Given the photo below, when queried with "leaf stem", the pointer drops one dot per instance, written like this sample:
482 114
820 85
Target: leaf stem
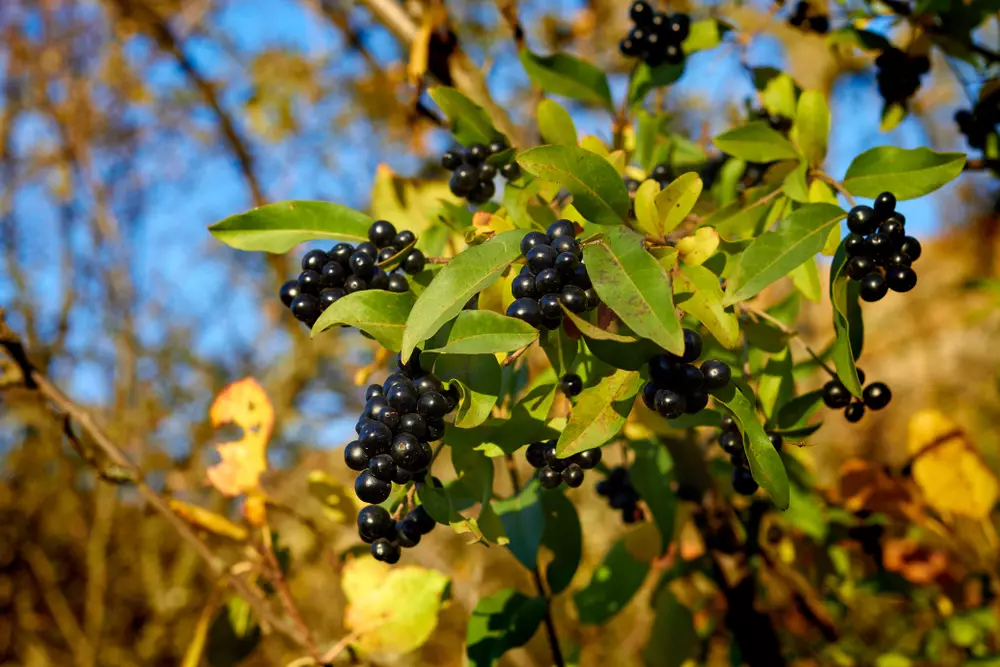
516 354
837 185
758 312
821 363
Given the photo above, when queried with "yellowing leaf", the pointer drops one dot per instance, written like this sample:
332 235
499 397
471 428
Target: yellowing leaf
947 467
245 404
206 520
376 594
695 250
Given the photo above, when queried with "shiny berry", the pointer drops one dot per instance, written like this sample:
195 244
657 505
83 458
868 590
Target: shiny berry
373 391
289 291
402 398
333 274
463 180
476 153
573 475
526 310
414 262
432 405
403 239
548 281
873 287
862 220
535 454
385 551
593 301
549 478
310 282
854 412
776 440
379 280
355 284
859 267
549 306
881 246
314 260
696 402
731 442
451 160
305 308
856 245
381 233
419 516
407 534
382 467
410 453
523 286
341 253
692 346
541 257
641 12
911 247
571 384
511 171
496 146
397 283
876 396
566 264
355 456
743 482
670 404
413 424
885 204
574 298
533 240
375 437
835 395
901 278
370 489
362 265
567 243
374 522
716 374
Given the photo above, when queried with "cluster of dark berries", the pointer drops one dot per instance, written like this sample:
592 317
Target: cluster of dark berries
571 384
677 386
472 175
386 535
880 251
731 442
873 397
661 173
553 471
402 416
553 276
979 123
656 37
899 74
803 18
621 495
327 276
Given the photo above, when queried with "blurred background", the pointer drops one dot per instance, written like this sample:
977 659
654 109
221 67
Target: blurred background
127 127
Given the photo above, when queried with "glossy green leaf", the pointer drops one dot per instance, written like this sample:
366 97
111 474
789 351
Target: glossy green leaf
907 173
469 122
481 332
600 413
677 200
765 463
773 255
502 621
599 193
613 584
646 78
376 312
555 124
563 536
524 522
697 291
281 226
635 286
560 349
651 474
647 217
812 125
756 142
847 323
466 274
569 76
594 332
673 638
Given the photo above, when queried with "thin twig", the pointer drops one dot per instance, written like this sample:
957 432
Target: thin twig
438 260
284 592
835 184
764 315
821 363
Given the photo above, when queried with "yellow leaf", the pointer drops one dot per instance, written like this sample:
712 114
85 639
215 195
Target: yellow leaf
947 467
374 593
418 54
206 520
245 404
695 250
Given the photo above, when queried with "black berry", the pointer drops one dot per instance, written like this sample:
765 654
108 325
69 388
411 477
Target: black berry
873 287
305 308
862 220
743 482
571 384
573 475
716 374
371 490
414 262
670 404
835 394
525 309
876 396
385 551
355 456
533 239
901 278
381 233
854 412
374 522
313 260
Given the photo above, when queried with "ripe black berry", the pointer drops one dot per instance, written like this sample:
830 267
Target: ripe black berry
355 284
696 402
426 383
641 13
561 228
593 301
435 429
407 534
860 266
776 440
692 346
355 456
574 298
885 204
482 192
523 286
381 233
856 245
432 405
716 374
375 406
588 458
414 262
310 282
876 396
731 442
862 220
486 172
511 171
375 437
368 248
382 467
385 551
567 243
901 278
894 229
371 490
373 391
413 424
688 378
341 253
525 309
402 398
419 516
390 418
549 478
313 260
854 412
374 522
743 482
649 395
670 404
463 180
572 475
549 306
835 394
397 283
873 287
497 146
535 454
305 308
451 160
541 257
566 264
898 259
362 265
533 239
476 153
403 239
379 280
571 384
727 423
289 291
410 453
911 247
548 281
333 274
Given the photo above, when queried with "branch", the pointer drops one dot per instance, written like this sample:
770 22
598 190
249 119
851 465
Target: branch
826 178
285 593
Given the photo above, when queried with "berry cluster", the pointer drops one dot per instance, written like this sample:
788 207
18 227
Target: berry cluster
873 397
803 18
979 123
899 74
401 417
327 276
553 471
386 535
472 175
661 173
880 251
731 442
571 384
621 495
656 37
677 387
553 276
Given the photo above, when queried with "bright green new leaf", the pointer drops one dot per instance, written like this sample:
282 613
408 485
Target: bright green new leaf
907 173
502 621
469 122
376 312
697 292
465 274
635 286
773 255
613 584
597 188
555 124
281 226
524 522
480 332
569 76
812 125
478 378
673 638
600 413
563 536
676 201
756 142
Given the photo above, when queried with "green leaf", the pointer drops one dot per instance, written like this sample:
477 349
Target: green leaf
777 91
773 255
646 78
776 385
756 142
673 637
563 536
796 412
600 413
569 76
847 323
524 207
739 221
524 522
677 200
376 312
705 34
233 635
697 292
442 508
469 122
560 349
812 125
594 332
651 475
465 274
555 124
635 286
806 281
502 621
613 584
478 378
647 217
765 463
599 193
480 332
907 173
795 186
281 226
